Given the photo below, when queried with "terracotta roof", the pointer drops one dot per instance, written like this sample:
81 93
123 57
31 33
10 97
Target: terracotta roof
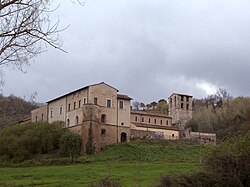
155 126
121 96
149 113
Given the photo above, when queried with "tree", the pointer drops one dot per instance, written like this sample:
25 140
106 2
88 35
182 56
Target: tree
25 27
143 106
136 105
154 104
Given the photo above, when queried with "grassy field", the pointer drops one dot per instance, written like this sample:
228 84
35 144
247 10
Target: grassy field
139 163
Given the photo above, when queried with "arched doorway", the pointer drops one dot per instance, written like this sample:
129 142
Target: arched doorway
123 137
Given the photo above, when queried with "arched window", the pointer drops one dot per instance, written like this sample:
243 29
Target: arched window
77 120
68 122
103 118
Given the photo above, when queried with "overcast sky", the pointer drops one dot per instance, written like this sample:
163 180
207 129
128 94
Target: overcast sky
146 49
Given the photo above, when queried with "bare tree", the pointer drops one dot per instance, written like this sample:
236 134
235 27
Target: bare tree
26 31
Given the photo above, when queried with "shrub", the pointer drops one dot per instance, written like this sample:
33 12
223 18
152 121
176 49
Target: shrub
231 161
106 182
70 144
22 142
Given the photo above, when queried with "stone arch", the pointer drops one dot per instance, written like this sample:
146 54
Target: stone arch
123 137
103 118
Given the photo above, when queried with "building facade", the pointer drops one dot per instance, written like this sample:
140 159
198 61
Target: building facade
101 109
180 110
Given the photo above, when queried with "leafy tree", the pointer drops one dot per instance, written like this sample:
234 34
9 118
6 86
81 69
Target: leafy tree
21 142
143 106
162 106
70 144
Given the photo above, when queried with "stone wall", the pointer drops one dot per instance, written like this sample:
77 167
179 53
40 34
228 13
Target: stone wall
203 138
148 135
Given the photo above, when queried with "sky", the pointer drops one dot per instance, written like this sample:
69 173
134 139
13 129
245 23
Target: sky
146 49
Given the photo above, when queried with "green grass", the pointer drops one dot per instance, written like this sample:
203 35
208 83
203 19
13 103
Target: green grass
138 162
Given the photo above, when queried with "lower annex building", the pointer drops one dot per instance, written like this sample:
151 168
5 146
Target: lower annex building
108 114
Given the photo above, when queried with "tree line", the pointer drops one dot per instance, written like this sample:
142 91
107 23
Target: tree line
14 109
221 114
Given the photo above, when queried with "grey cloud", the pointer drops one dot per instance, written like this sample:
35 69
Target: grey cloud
147 49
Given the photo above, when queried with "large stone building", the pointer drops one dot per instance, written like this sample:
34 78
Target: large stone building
101 109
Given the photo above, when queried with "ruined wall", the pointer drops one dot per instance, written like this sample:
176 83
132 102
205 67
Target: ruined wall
203 138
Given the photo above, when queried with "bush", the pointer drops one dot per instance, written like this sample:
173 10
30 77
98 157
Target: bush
231 161
200 179
23 142
228 164
70 144
106 182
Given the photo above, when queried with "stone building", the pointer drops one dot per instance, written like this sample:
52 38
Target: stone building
180 110
96 107
103 111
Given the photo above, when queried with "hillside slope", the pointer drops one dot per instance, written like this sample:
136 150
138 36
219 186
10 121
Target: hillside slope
14 109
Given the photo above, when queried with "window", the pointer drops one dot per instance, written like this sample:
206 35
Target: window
68 122
84 100
120 104
103 118
36 118
79 103
77 120
69 107
170 102
167 122
135 118
109 103
187 106
142 119
187 99
148 120
181 105
51 113
103 131
60 110
172 135
155 121
42 117
74 105
161 122
95 100
175 101
182 98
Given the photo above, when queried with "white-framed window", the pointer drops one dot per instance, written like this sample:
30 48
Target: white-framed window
85 100
121 104
109 103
